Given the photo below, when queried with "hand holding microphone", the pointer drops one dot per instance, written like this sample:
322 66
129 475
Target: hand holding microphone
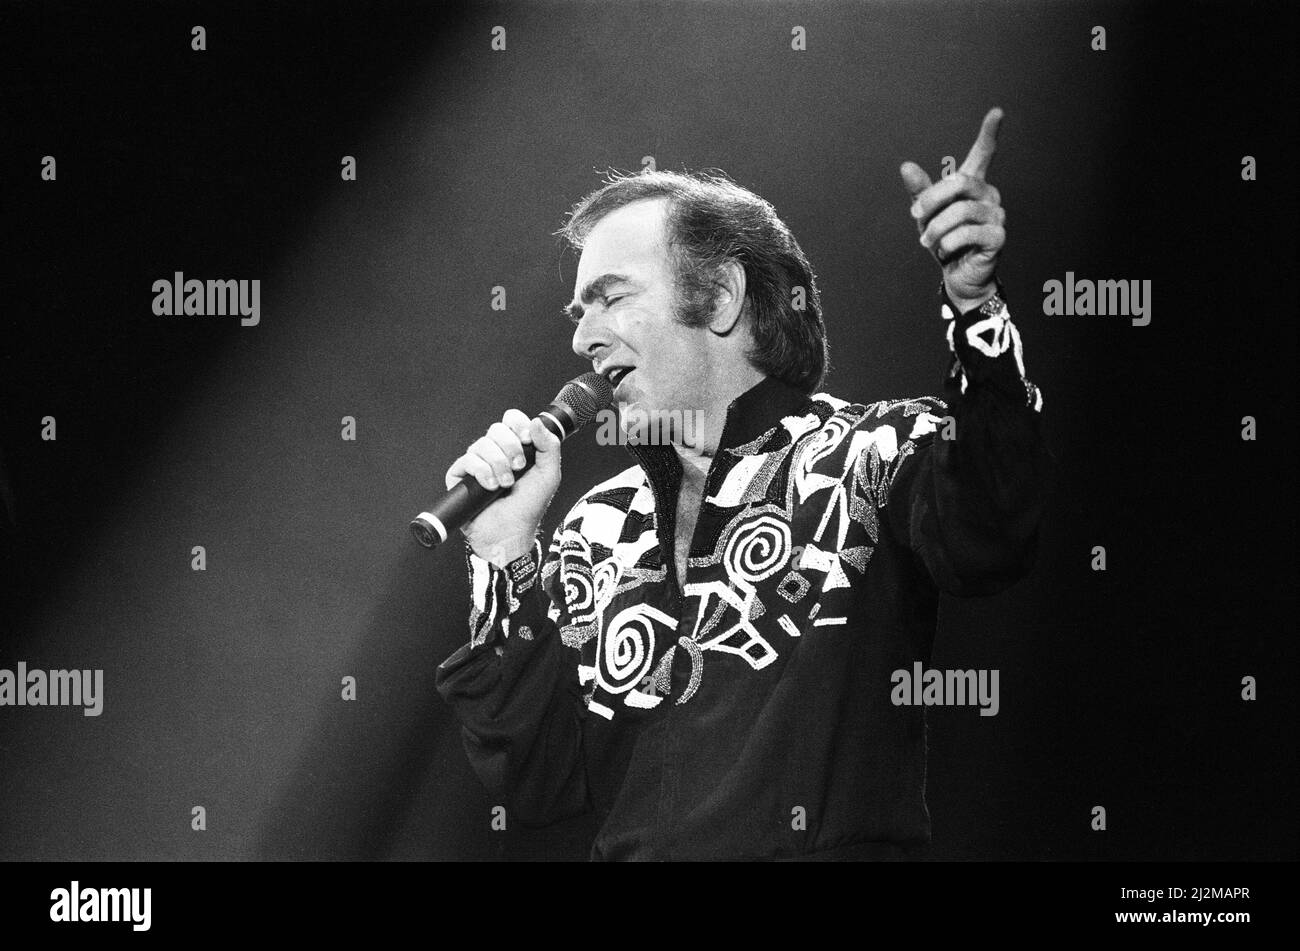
500 488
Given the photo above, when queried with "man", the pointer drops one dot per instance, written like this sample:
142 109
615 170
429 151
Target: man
703 653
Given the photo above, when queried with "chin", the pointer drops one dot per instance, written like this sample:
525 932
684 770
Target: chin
631 395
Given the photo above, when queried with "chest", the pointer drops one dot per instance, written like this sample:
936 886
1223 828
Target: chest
688 511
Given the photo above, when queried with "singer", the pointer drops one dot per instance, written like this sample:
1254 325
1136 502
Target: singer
703 652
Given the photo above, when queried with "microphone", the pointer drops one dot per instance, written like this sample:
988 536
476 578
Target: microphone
573 407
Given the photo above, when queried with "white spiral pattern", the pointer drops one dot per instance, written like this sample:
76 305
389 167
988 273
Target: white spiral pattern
811 451
626 649
826 439
605 576
575 577
758 549
578 591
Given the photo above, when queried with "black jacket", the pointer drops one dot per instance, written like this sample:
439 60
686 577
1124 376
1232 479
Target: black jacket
745 711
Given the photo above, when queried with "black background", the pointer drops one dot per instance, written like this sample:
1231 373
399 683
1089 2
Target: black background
1119 689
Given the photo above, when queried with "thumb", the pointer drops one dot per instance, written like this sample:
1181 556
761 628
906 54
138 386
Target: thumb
547 445
914 178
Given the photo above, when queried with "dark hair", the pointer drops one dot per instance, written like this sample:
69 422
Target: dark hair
712 220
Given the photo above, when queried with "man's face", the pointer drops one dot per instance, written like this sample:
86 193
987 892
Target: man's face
625 294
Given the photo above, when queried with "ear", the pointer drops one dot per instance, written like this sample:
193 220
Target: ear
729 281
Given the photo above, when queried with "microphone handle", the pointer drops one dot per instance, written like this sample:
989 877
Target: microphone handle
467 497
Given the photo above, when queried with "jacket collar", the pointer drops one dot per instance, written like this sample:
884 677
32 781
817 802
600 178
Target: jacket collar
759 409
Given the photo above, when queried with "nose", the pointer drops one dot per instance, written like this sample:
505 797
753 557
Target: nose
591 338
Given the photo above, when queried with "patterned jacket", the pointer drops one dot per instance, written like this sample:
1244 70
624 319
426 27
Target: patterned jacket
745 711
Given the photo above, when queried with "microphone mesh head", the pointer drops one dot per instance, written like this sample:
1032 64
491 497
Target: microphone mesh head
585 396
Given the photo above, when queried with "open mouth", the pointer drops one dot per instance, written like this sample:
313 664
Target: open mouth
618 375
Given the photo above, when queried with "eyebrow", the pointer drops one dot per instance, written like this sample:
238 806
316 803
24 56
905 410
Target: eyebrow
594 290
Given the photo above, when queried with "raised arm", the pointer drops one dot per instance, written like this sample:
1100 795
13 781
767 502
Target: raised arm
968 502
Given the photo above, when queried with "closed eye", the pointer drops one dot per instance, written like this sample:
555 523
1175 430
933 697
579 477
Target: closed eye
574 312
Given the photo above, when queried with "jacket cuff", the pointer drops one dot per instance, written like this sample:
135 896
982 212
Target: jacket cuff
986 348
499 597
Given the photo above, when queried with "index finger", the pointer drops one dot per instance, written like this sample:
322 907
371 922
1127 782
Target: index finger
981 153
